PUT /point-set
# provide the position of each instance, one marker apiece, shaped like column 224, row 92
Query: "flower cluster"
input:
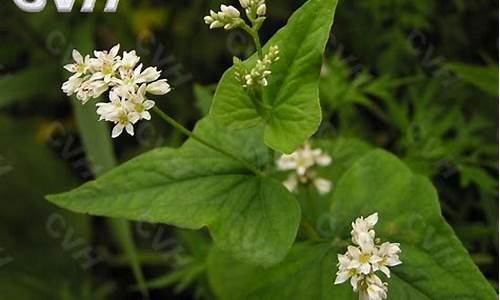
column 127, row 82
column 229, row 17
column 254, row 8
column 361, row 261
column 303, row 162
column 258, row 75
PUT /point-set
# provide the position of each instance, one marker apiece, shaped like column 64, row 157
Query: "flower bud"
column 148, row 75
column 229, row 11
column 262, row 9
column 244, row 3
column 160, row 87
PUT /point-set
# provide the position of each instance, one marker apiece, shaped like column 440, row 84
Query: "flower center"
column 139, row 108
column 123, row 119
column 107, row 69
column 364, row 258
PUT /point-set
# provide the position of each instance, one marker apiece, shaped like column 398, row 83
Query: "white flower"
column 361, row 262
column 108, row 111
column 302, row 162
column 372, row 288
column 129, row 60
column 124, row 120
column 260, row 73
column 389, row 257
column 127, row 82
column 230, row 11
column 108, row 57
column 345, row 271
column 133, row 78
column 106, row 63
column 69, row 87
column 262, row 9
column 140, row 104
column 81, row 65
column 362, row 227
column 362, row 258
column 323, row 186
column 291, row 183
column 148, row 75
column 160, row 87
column 254, row 7
column 244, row 3
column 228, row 17
column 89, row 89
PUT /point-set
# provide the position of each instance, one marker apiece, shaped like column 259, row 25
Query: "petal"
column 386, row 271
column 354, row 282
column 301, row 170
column 96, row 76
column 69, row 67
column 323, row 160
column 113, row 96
column 142, row 89
column 134, row 117
column 323, row 186
column 138, row 71
column 114, row 51
column 148, row 104
column 291, row 184
column 77, row 56
column 342, row 277
column 393, row 261
column 160, row 87
column 130, row 129
column 354, row 251
column 372, row 219
column 365, row 268
column 353, row 264
column 117, row 130
column 146, row 115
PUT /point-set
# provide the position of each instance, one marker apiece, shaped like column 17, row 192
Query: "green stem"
column 255, row 36
column 190, row 134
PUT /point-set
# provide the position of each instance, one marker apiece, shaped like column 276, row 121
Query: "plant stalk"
column 256, row 39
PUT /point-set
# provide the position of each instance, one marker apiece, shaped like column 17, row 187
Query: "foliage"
column 410, row 77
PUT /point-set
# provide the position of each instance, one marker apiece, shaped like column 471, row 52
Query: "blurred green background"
column 418, row 78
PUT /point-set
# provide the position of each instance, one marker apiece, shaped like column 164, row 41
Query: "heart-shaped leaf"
column 435, row 264
column 306, row 273
column 253, row 217
column 293, row 93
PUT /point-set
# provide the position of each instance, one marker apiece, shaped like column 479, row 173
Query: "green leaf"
column 435, row 265
column 203, row 96
column 253, row 217
column 292, row 94
column 484, row 78
column 307, row 273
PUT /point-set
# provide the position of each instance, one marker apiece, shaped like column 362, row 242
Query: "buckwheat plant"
column 363, row 259
column 227, row 177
